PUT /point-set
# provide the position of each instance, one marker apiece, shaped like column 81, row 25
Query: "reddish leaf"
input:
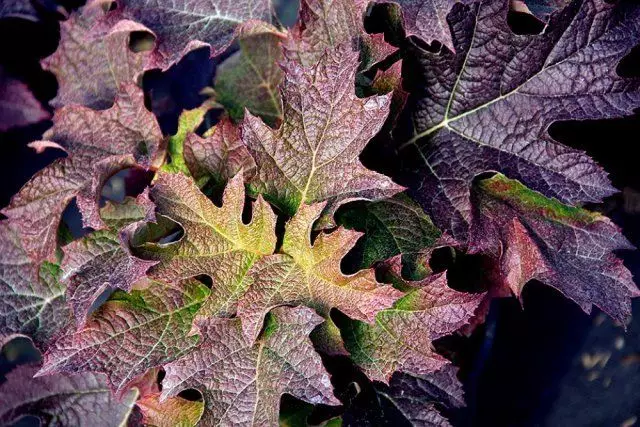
column 571, row 249
column 401, row 337
column 242, row 381
column 131, row 333
column 313, row 156
column 182, row 26
column 93, row 59
column 99, row 144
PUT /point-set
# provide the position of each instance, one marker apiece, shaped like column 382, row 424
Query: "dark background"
column 542, row 362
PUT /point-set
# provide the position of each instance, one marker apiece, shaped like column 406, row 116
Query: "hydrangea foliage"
column 228, row 273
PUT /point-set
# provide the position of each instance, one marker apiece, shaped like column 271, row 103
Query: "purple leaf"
column 99, row 144
column 463, row 128
column 32, row 300
column 93, row 59
column 131, row 333
column 571, row 249
column 62, row 400
column 242, row 381
column 18, row 106
column 182, row 26
column 426, row 19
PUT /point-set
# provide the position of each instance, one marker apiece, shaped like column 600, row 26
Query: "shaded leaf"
column 463, row 129
column 541, row 9
column 172, row 412
column 426, row 19
column 569, row 248
column 325, row 25
column 310, row 274
column 418, row 399
column 18, row 9
column 219, row 155
column 32, row 299
column 250, row 78
column 313, row 156
column 131, row 333
column 391, row 227
column 242, row 381
column 18, row 105
column 62, row 399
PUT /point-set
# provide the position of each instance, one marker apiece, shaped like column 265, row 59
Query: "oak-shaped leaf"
column 18, row 106
column 216, row 242
column 250, row 77
column 63, row 399
column 99, row 144
column 313, row 156
column 568, row 248
column 309, row 274
column 462, row 128
column 182, row 26
column 131, row 333
column 32, row 298
column 242, row 381
column 401, row 337
column 425, row 19
column 219, row 154
column 102, row 260
column 93, row 59
column 394, row 226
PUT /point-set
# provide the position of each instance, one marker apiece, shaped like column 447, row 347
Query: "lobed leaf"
column 310, row 275
column 250, row 77
column 220, row 155
column 401, row 337
column 131, row 333
column 313, row 156
column 93, row 59
column 425, row 19
column 571, row 249
column 102, row 261
column 99, row 143
column 463, row 129
column 32, row 299
column 242, row 381
column 391, row 227
column 182, row 26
